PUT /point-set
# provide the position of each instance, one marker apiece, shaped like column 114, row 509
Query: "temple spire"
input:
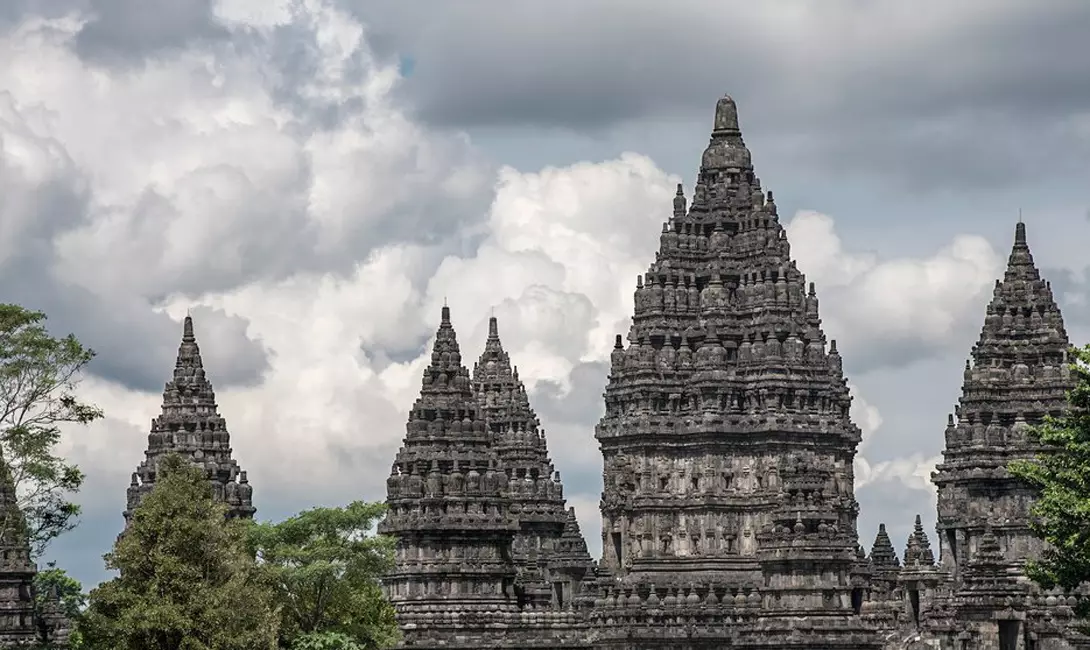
column 882, row 553
column 187, row 330
column 190, row 424
column 447, row 456
column 537, row 494
column 1020, row 263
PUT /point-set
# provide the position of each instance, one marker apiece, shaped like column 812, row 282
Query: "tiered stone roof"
column 190, row 425
column 882, row 553
column 448, row 506
column 727, row 442
column 534, row 486
column 1016, row 375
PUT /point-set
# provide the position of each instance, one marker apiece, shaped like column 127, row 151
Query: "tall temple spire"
column 726, row 438
column 1017, row 374
column 448, row 507
column 536, row 491
column 190, row 425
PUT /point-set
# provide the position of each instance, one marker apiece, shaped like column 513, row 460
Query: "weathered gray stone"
column 728, row 507
column 978, row 595
column 190, row 425
column 18, row 626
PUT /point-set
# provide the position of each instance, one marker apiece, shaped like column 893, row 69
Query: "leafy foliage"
column 186, row 581
column 68, row 590
column 1061, row 515
column 53, row 582
column 324, row 567
column 325, row 641
column 38, row 379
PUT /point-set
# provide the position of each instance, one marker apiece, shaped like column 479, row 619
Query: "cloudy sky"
column 312, row 178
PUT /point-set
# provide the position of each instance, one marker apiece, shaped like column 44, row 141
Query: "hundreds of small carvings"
column 728, row 510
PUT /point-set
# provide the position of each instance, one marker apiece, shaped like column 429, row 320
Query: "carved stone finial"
column 726, row 115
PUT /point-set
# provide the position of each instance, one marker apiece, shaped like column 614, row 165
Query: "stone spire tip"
column 445, row 314
column 187, row 330
column 726, row 114
column 493, row 329
column 1020, row 232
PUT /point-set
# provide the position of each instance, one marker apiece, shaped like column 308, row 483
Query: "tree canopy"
column 1061, row 514
column 186, row 580
column 38, row 378
column 324, row 565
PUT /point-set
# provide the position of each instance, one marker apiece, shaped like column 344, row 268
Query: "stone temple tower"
column 190, row 425
column 534, row 487
column 726, row 440
column 18, row 626
column 449, row 512
column 1016, row 375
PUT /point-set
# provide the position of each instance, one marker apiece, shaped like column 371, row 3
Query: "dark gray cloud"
column 981, row 94
column 134, row 345
column 14, row 11
column 126, row 32
column 583, row 403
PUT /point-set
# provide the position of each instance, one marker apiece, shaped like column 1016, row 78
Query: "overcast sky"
column 312, row 178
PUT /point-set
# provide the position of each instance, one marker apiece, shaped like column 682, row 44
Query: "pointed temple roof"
column 918, row 548
column 446, row 490
column 191, row 426
column 571, row 549
column 1016, row 375
column 506, row 405
column 882, row 553
column 518, row 438
column 535, row 489
column 728, row 404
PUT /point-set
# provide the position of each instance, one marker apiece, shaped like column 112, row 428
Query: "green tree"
column 326, row 641
column 325, row 565
column 52, row 582
column 1061, row 514
column 68, row 590
column 38, row 378
column 186, row 580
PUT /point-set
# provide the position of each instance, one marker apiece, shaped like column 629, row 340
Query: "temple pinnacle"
column 493, row 329
column 187, row 330
column 726, row 115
